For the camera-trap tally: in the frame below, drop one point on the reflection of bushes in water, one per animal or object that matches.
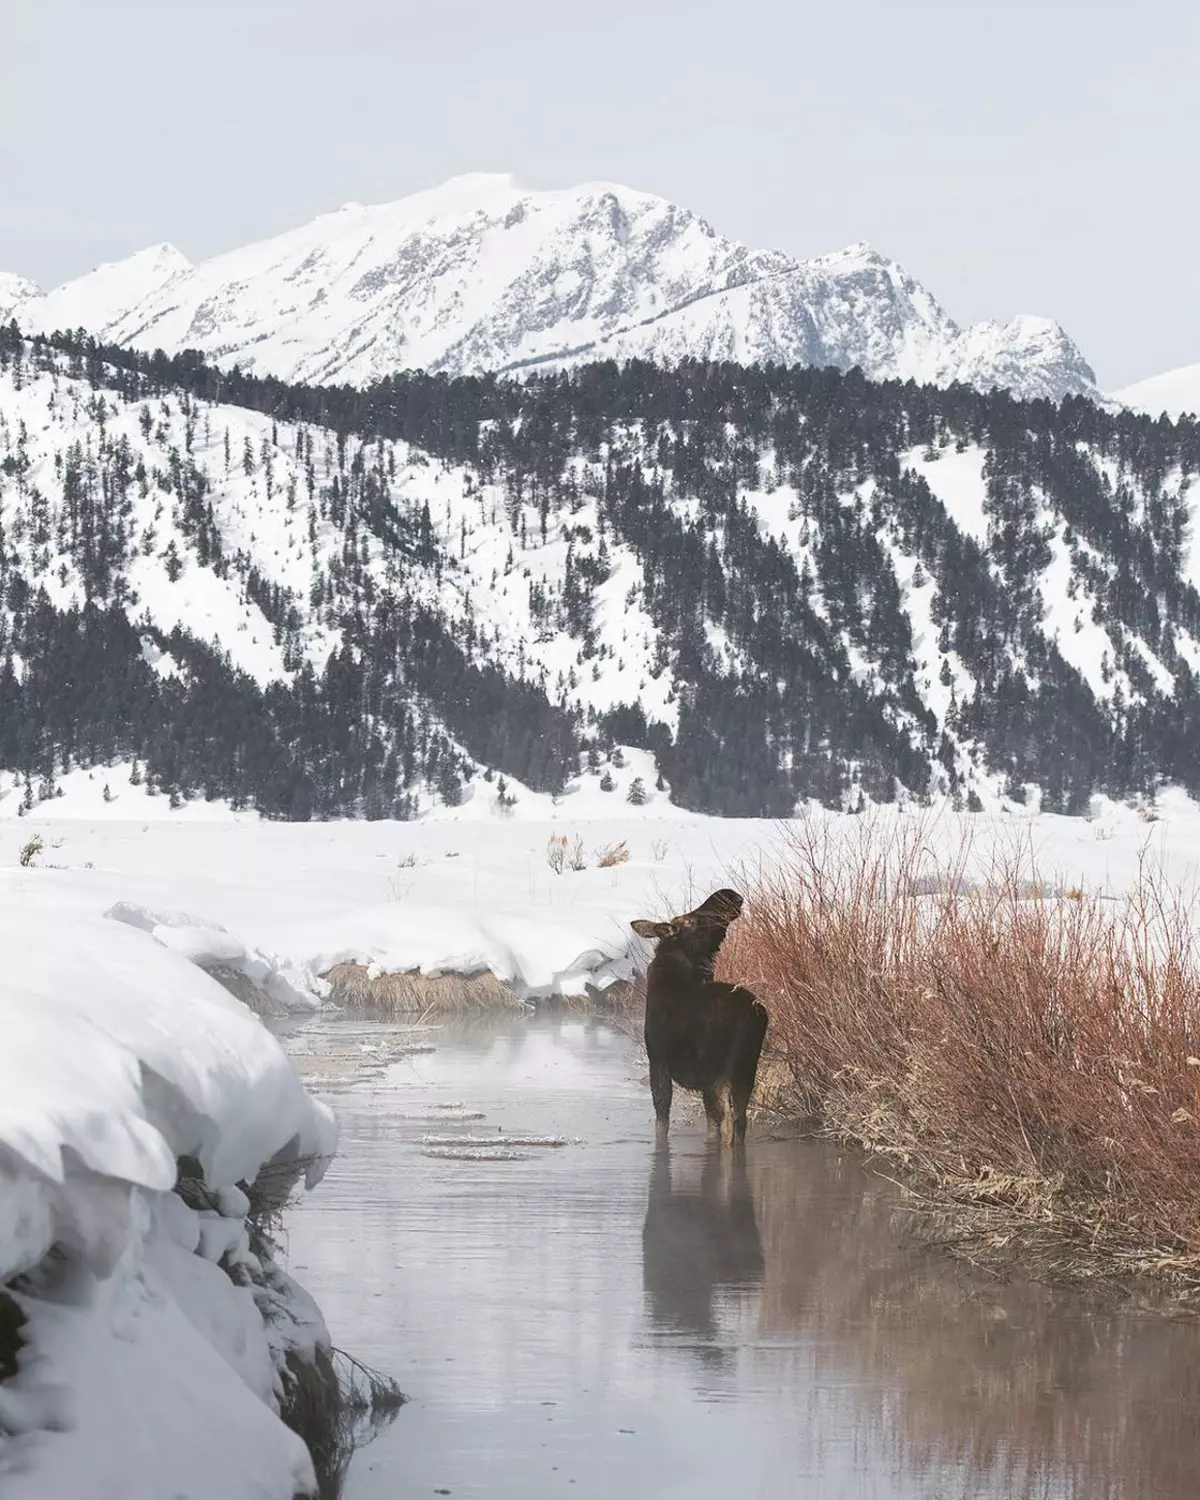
(699, 1238)
(1033, 1391)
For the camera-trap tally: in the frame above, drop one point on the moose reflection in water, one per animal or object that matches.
(699, 1238)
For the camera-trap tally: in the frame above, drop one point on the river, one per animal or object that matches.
(599, 1320)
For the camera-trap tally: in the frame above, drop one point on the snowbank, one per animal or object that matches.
(532, 954)
(144, 1335)
(277, 984)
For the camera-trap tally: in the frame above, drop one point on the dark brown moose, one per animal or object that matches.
(700, 1033)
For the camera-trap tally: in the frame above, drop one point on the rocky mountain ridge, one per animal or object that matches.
(481, 275)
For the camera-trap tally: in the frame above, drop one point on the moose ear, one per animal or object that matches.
(650, 929)
(725, 905)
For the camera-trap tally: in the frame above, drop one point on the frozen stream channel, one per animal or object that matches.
(594, 1320)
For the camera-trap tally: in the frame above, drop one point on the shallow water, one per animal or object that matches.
(594, 1319)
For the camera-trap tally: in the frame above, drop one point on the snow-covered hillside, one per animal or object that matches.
(481, 274)
(756, 587)
(1175, 393)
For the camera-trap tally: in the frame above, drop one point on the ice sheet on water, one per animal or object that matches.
(499, 1140)
(474, 1153)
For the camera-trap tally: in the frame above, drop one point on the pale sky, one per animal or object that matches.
(1028, 156)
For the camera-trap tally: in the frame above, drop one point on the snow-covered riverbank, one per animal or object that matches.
(151, 1342)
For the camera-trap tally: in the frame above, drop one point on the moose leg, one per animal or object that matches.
(660, 1092)
(740, 1092)
(725, 1099)
(712, 1109)
(745, 1070)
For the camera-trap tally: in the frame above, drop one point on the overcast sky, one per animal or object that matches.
(1015, 157)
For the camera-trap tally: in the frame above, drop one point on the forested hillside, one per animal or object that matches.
(786, 583)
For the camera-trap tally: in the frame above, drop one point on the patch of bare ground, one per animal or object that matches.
(1026, 1059)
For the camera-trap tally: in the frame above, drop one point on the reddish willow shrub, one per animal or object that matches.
(1019, 1045)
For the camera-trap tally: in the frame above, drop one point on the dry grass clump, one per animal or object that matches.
(30, 850)
(564, 852)
(413, 993)
(611, 855)
(1028, 1055)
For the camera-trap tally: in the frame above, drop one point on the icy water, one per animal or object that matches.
(596, 1320)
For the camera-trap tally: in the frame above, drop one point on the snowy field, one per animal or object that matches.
(120, 1056)
(464, 891)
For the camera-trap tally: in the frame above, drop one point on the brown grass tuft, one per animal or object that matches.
(1022, 1053)
(612, 854)
(414, 993)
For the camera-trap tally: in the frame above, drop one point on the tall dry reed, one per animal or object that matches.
(1033, 1053)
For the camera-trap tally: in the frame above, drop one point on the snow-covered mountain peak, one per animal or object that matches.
(469, 192)
(860, 253)
(482, 274)
(107, 295)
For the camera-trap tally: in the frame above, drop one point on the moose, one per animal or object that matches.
(700, 1033)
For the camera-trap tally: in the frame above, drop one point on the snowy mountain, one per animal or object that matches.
(14, 291)
(1175, 394)
(483, 275)
(770, 585)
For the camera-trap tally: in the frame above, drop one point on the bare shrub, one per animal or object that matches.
(30, 850)
(556, 852)
(577, 858)
(337, 1405)
(1021, 1051)
(612, 854)
(658, 851)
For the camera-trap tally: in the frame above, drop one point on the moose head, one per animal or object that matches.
(696, 935)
